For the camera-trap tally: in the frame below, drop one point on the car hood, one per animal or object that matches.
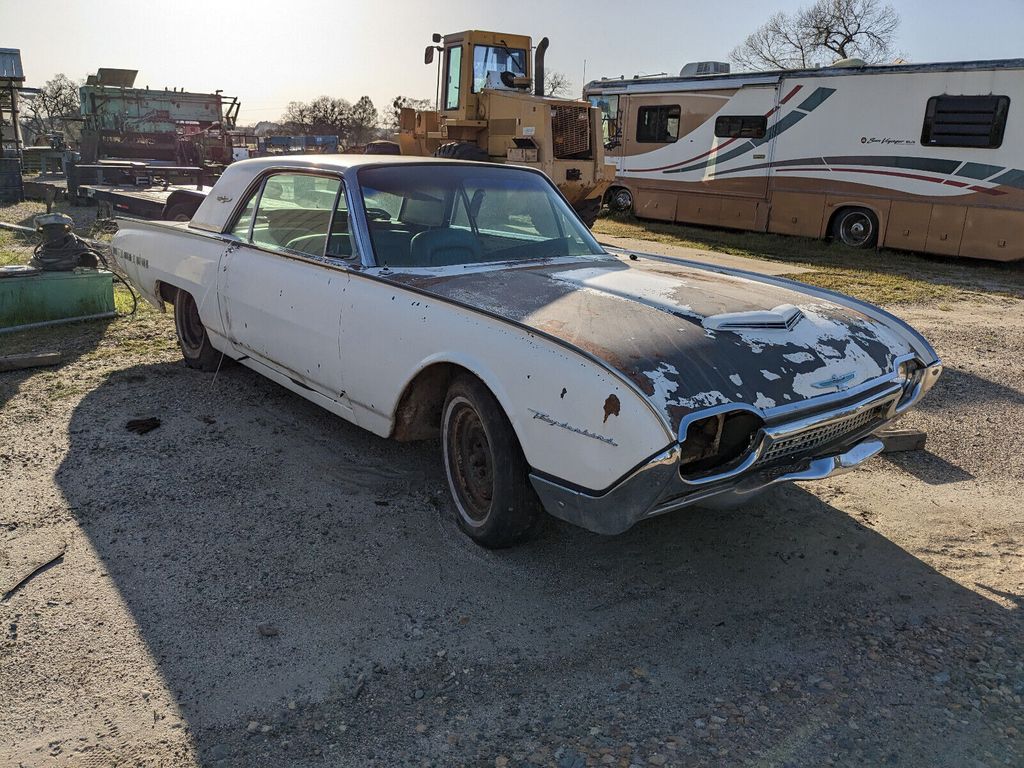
(687, 337)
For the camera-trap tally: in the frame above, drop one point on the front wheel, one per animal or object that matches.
(486, 470)
(192, 337)
(856, 227)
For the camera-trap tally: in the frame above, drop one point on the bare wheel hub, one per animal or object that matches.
(470, 460)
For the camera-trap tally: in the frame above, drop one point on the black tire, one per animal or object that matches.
(192, 337)
(487, 474)
(856, 227)
(180, 212)
(463, 150)
(588, 210)
(619, 200)
(382, 148)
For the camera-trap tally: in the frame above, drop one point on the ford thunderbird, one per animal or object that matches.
(425, 298)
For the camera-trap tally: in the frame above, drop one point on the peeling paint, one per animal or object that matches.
(769, 375)
(763, 402)
(736, 379)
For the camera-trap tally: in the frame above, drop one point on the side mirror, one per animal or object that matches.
(436, 37)
(428, 55)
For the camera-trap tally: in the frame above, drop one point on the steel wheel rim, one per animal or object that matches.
(856, 228)
(469, 461)
(192, 331)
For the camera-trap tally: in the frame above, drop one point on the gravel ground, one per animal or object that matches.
(255, 583)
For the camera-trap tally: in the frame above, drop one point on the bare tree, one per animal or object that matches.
(56, 107)
(404, 102)
(862, 28)
(324, 116)
(557, 84)
(362, 122)
(817, 35)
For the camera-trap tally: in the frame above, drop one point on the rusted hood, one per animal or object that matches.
(650, 321)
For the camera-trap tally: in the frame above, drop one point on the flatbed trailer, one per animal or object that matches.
(128, 187)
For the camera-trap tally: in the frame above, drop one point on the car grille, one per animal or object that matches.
(816, 437)
(570, 130)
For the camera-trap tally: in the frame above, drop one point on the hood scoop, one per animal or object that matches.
(783, 318)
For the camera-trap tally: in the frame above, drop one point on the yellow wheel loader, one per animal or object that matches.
(492, 108)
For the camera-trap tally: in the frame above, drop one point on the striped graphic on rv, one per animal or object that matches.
(794, 116)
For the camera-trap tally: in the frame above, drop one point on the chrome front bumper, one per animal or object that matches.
(658, 487)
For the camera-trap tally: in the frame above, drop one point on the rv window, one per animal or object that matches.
(657, 125)
(965, 121)
(741, 126)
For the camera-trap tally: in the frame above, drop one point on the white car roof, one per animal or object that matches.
(214, 211)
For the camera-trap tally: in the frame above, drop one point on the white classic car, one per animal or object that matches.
(419, 297)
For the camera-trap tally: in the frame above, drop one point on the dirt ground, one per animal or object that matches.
(257, 583)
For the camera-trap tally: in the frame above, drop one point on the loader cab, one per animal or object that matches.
(474, 60)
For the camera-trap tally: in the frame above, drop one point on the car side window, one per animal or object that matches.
(295, 212)
(241, 228)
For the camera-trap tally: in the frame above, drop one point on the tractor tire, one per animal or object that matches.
(463, 150)
(588, 210)
(382, 148)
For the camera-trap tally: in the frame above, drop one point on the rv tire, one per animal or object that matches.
(619, 200)
(856, 227)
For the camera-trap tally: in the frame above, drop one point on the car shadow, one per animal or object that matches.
(249, 506)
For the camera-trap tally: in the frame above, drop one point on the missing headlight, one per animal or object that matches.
(718, 441)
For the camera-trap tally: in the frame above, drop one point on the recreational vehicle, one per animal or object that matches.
(921, 157)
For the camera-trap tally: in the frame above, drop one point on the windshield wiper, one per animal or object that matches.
(512, 56)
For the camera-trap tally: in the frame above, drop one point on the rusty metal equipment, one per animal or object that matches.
(491, 106)
(172, 125)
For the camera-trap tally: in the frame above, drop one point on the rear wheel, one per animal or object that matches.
(855, 227)
(462, 150)
(486, 470)
(192, 337)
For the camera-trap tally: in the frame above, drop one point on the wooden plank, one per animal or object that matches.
(899, 440)
(30, 360)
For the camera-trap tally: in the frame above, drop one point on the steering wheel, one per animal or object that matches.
(377, 214)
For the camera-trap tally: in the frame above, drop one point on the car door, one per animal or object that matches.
(282, 280)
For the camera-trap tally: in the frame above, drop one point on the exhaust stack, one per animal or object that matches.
(538, 67)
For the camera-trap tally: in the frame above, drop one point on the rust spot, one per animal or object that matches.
(643, 382)
(611, 407)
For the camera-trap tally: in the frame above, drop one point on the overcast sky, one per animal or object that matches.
(270, 53)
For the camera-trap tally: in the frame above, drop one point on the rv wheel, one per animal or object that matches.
(620, 200)
(856, 227)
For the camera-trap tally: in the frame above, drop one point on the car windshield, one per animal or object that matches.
(441, 215)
